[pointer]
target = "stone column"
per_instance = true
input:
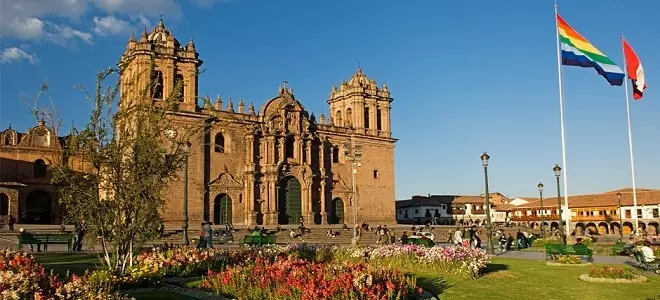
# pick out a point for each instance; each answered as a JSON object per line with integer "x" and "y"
{"x": 324, "y": 214}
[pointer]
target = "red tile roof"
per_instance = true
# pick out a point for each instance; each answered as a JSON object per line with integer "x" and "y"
{"x": 644, "y": 197}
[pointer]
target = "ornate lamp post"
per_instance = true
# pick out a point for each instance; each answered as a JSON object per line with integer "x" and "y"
{"x": 618, "y": 208}
{"x": 184, "y": 226}
{"x": 540, "y": 186}
{"x": 489, "y": 225}
{"x": 557, "y": 171}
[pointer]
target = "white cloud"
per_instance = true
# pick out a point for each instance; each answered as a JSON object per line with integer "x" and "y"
{"x": 111, "y": 26}
{"x": 14, "y": 54}
{"x": 64, "y": 22}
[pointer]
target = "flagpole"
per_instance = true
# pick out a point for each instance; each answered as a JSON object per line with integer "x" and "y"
{"x": 563, "y": 136}
{"x": 630, "y": 144}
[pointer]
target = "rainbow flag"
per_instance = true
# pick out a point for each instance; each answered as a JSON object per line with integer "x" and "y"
{"x": 577, "y": 51}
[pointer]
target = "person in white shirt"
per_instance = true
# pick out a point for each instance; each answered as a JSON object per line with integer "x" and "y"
{"x": 458, "y": 237}
{"x": 647, "y": 251}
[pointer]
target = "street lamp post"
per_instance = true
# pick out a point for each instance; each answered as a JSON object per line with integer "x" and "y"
{"x": 618, "y": 212}
{"x": 353, "y": 173}
{"x": 557, "y": 171}
{"x": 540, "y": 186}
{"x": 489, "y": 225}
{"x": 184, "y": 226}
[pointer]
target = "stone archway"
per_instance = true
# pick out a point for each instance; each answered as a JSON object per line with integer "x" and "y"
{"x": 337, "y": 215}
{"x": 222, "y": 210}
{"x": 289, "y": 201}
{"x": 38, "y": 208}
{"x": 603, "y": 229}
{"x": 627, "y": 228}
{"x": 653, "y": 227}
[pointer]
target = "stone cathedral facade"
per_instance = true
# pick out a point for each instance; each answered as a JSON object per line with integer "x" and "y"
{"x": 276, "y": 164}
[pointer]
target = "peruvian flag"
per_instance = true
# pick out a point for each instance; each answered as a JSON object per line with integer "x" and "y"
{"x": 635, "y": 71}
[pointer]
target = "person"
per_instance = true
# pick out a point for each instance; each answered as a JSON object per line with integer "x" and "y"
{"x": 522, "y": 241}
{"x": 578, "y": 241}
{"x": 10, "y": 222}
{"x": 630, "y": 246}
{"x": 207, "y": 234}
{"x": 647, "y": 251}
{"x": 78, "y": 235}
{"x": 458, "y": 237}
{"x": 357, "y": 233}
{"x": 404, "y": 237}
{"x": 23, "y": 233}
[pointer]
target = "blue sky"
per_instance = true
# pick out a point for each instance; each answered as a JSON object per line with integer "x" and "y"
{"x": 467, "y": 76}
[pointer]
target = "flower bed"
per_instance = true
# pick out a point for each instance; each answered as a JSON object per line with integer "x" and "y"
{"x": 567, "y": 260}
{"x": 291, "y": 278}
{"x": 462, "y": 261}
{"x": 612, "y": 274}
{"x": 22, "y": 278}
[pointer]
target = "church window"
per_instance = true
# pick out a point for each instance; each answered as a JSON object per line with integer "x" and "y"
{"x": 375, "y": 173}
{"x": 157, "y": 85}
{"x": 335, "y": 154}
{"x": 349, "y": 117}
{"x": 219, "y": 143}
{"x": 8, "y": 138}
{"x": 39, "y": 169}
{"x": 289, "y": 146}
{"x": 366, "y": 118}
{"x": 379, "y": 125}
{"x": 338, "y": 119}
{"x": 179, "y": 86}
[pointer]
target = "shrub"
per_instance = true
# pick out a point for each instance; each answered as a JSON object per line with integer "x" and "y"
{"x": 611, "y": 272}
{"x": 568, "y": 259}
{"x": 540, "y": 243}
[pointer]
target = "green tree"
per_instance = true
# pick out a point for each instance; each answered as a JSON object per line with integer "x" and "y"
{"x": 128, "y": 163}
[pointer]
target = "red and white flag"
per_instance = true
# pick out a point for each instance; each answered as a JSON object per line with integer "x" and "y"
{"x": 635, "y": 71}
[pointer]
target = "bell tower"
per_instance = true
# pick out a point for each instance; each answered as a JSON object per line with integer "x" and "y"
{"x": 361, "y": 104}
{"x": 157, "y": 68}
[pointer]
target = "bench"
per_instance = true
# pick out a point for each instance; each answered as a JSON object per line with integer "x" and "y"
{"x": 45, "y": 239}
{"x": 419, "y": 242}
{"x": 259, "y": 240}
{"x": 618, "y": 247}
{"x": 551, "y": 250}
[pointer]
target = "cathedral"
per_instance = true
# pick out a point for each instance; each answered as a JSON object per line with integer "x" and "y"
{"x": 275, "y": 165}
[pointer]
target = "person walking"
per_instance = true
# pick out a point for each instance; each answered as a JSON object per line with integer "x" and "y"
{"x": 207, "y": 234}
{"x": 10, "y": 222}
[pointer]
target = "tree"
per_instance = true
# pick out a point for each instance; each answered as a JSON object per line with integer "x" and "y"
{"x": 127, "y": 165}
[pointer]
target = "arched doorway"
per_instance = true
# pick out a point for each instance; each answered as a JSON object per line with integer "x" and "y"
{"x": 38, "y": 208}
{"x": 289, "y": 203}
{"x": 337, "y": 216}
{"x": 222, "y": 210}
{"x": 4, "y": 204}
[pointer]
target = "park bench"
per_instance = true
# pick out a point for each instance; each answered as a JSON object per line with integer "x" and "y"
{"x": 419, "y": 242}
{"x": 618, "y": 247}
{"x": 646, "y": 266}
{"x": 46, "y": 239}
{"x": 551, "y": 250}
{"x": 259, "y": 240}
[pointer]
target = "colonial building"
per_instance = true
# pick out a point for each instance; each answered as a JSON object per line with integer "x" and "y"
{"x": 25, "y": 189}
{"x": 452, "y": 209}
{"x": 607, "y": 213}
{"x": 268, "y": 166}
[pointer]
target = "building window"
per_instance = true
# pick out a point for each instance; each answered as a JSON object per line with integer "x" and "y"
{"x": 375, "y": 173}
{"x": 219, "y": 143}
{"x": 39, "y": 169}
{"x": 639, "y": 213}
{"x": 4, "y": 205}
{"x": 180, "y": 86}
{"x": 335, "y": 154}
{"x": 289, "y": 146}
{"x": 416, "y": 211}
{"x": 349, "y": 117}
{"x": 656, "y": 213}
{"x": 379, "y": 125}
{"x": 366, "y": 118}
{"x": 157, "y": 85}
{"x": 338, "y": 119}
{"x": 628, "y": 213}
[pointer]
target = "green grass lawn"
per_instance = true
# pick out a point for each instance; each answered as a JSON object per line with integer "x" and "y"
{"x": 74, "y": 263}
{"x": 506, "y": 278}
{"x": 513, "y": 279}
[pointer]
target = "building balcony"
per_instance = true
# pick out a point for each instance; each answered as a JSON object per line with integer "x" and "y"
{"x": 478, "y": 212}
{"x": 604, "y": 218}
{"x": 534, "y": 218}
{"x": 457, "y": 212}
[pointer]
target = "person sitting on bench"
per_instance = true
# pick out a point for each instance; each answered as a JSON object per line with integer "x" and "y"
{"x": 24, "y": 234}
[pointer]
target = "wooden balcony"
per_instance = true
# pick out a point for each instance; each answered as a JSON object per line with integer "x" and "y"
{"x": 604, "y": 218}
{"x": 534, "y": 218}
{"x": 478, "y": 212}
{"x": 458, "y": 212}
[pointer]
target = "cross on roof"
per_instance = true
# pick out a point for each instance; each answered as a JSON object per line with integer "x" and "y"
{"x": 284, "y": 82}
